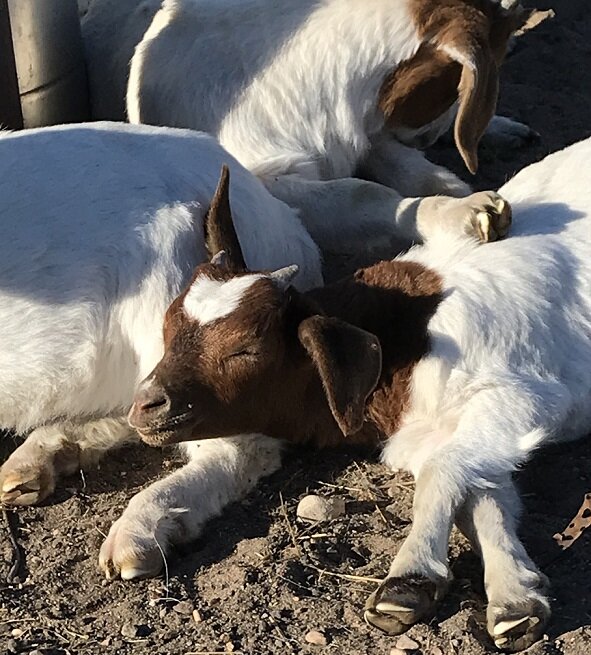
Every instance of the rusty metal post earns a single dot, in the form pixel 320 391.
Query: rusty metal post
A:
pixel 10 106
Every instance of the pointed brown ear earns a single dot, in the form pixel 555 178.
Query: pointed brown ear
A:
pixel 349 362
pixel 220 233
pixel 478 91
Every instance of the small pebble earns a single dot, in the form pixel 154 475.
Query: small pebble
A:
pixel 316 508
pixel 133 630
pixel 230 648
pixel 197 616
pixel 406 643
pixel 436 651
pixel 17 632
pixel 185 607
pixel 397 651
pixel 316 637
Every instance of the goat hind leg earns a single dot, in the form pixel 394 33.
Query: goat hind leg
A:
pixel 517 606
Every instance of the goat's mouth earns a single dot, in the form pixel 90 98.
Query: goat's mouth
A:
pixel 170 429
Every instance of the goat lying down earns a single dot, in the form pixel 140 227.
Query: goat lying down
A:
pixel 459 360
pixel 323 93
pixel 102 226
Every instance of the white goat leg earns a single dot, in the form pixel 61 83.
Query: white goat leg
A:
pixel 407 170
pixel 29 475
pixel 482 450
pixel 503 132
pixel 174 510
pixel 338 213
pixel 517 607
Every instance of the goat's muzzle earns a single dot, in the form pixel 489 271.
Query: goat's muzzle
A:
pixel 150 413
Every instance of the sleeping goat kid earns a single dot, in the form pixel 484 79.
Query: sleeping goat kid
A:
pixel 323 93
pixel 460 362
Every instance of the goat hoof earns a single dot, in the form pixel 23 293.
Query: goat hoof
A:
pixel 26 485
pixel 399 603
pixel 128 556
pixel 491 218
pixel 517 628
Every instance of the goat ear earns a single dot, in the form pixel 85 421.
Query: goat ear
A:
pixel 220 233
pixel 349 362
pixel 478 92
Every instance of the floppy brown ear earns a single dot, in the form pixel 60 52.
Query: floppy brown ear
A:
pixel 220 233
pixel 478 91
pixel 349 362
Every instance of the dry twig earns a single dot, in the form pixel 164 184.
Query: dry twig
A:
pixel 17 553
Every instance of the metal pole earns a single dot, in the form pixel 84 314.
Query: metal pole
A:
pixel 10 106
pixel 50 64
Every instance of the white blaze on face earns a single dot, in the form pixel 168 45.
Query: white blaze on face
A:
pixel 208 300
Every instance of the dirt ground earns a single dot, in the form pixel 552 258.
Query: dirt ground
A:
pixel 256 577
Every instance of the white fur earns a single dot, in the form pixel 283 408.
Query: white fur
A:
pixel 102 228
pixel 176 508
pixel 509 370
pixel 208 300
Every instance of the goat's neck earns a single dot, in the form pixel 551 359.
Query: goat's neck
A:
pixel 395 301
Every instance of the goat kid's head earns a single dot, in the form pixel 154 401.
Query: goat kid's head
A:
pixel 245 352
pixel 464 43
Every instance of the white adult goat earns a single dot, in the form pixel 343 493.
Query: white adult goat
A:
pixel 308 94
pixel 461 360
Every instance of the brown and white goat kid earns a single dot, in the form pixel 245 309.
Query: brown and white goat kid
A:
pixel 311 96
pixel 459 362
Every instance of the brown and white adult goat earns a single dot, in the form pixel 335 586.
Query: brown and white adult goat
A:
pixel 312 96
pixel 460 362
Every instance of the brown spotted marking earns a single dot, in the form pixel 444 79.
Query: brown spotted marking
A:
pixel 577 526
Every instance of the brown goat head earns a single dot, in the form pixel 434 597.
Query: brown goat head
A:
pixel 245 352
pixel 464 43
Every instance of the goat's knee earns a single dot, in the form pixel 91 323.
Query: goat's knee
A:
pixel 30 474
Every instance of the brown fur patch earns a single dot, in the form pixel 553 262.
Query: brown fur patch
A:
pixel 420 89
pixel 395 301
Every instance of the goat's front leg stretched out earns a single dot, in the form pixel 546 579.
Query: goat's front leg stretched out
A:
pixel 175 509
pixel 517 607
pixel 497 428
pixel 340 213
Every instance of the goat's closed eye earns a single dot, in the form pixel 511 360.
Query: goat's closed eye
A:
pixel 243 352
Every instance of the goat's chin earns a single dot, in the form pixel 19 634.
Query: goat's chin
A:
pixel 165 437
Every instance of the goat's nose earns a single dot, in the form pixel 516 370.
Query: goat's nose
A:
pixel 151 401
